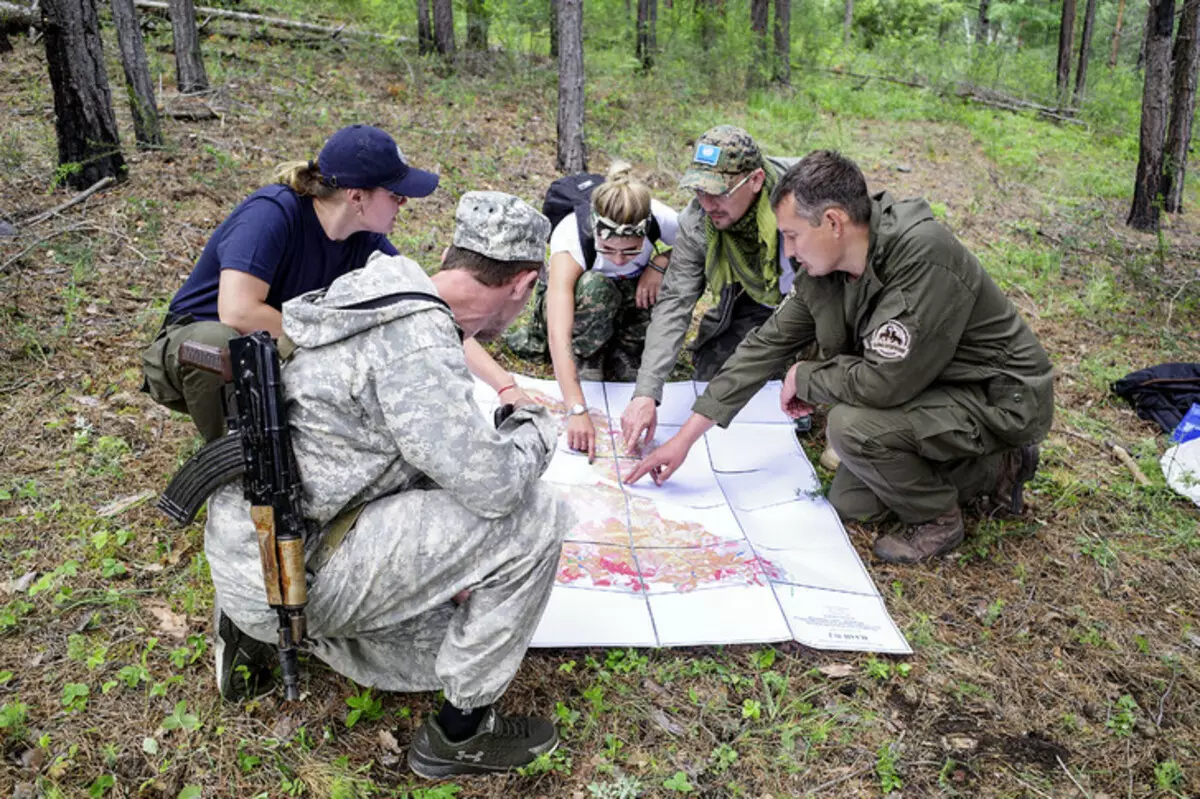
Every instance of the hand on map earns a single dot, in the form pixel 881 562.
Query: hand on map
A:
pixel 789 403
pixel 581 435
pixel 640 418
pixel 517 396
pixel 662 462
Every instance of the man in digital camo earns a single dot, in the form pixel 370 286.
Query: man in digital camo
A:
pixel 442 577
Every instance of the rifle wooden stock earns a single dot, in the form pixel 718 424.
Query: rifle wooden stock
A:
pixel 206 357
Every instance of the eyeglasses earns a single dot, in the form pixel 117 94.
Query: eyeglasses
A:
pixel 725 195
pixel 628 252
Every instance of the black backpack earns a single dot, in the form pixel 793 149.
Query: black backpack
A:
pixel 1163 393
pixel 573 195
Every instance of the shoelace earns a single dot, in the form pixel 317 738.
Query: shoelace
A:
pixel 511 727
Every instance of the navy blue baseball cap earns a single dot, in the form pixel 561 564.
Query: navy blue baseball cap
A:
pixel 363 157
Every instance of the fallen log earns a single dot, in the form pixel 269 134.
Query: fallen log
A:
pixel 14 17
pixel 278 22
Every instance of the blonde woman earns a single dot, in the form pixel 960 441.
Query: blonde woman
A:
pixel 591 313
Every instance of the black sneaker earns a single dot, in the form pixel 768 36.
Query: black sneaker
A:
pixel 235 649
pixel 501 743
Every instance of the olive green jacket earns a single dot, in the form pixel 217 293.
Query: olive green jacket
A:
pixel 681 288
pixel 923 314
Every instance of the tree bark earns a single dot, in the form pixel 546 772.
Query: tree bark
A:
pixel 477 25
pixel 88 146
pixel 443 27
pixel 138 82
pixel 189 65
pixel 1141 59
pixel 1085 50
pixel 1116 37
pixel 782 72
pixel 424 28
pixel 572 151
pixel 1143 214
pixel 647 17
pixel 554 29
pixel 1186 62
pixel 1066 43
pixel 759 14
pixel 981 29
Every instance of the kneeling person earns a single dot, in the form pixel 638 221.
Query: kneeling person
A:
pixel 442 578
pixel 939 390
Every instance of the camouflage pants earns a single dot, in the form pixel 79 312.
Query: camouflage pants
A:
pixel 609 330
pixel 912 462
pixel 380 609
pixel 722 329
pixel 200 394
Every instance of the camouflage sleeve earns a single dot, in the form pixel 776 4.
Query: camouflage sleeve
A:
pixel 761 355
pixel 681 289
pixel 427 401
pixel 911 336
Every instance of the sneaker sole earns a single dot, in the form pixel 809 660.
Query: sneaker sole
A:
pixel 437 769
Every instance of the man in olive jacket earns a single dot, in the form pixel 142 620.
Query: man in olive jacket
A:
pixel 939 390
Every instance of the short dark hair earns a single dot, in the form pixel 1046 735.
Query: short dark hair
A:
pixel 488 271
pixel 821 180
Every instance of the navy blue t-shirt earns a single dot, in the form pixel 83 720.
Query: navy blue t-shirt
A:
pixel 275 236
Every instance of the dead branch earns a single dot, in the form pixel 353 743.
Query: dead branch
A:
pixel 70 229
pixel 279 22
pixel 1124 457
pixel 99 185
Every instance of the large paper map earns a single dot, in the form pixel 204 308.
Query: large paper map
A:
pixel 737 547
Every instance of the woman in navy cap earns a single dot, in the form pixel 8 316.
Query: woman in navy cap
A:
pixel 320 221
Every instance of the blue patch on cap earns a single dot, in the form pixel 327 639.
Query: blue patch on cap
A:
pixel 707 154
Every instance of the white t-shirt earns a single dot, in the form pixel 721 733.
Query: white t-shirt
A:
pixel 565 238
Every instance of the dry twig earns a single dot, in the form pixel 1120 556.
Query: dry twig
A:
pixel 99 185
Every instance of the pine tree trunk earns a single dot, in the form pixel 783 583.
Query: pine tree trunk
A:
pixel 646 15
pixel 782 73
pixel 759 14
pixel 704 9
pixel 424 28
pixel 443 27
pixel 190 76
pixel 572 152
pixel 1186 62
pixel 981 29
pixel 477 25
pixel 1085 50
pixel 88 146
pixel 1066 43
pixel 1116 37
pixel 1143 214
pixel 137 74
pixel 1141 59
pixel 554 29
pixel 847 21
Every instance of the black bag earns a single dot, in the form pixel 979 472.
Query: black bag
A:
pixel 1163 393
pixel 573 195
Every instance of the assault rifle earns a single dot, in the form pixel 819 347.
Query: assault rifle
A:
pixel 260 440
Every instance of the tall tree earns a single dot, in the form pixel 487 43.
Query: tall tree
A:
pixel 572 152
pixel 1143 214
pixel 759 14
pixel 647 40
pixel 981 28
pixel 137 74
pixel 1066 43
pixel 554 29
pixel 477 25
pixel 1116 37
pixel 847 21
pixel 1085 50
pixel 443 27
pixel 424 28
pixel 782 71
pixel 88 146
pixel 189 65
pixel 1186 62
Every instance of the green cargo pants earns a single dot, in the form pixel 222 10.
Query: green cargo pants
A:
pixel 202 395
pixel 915 461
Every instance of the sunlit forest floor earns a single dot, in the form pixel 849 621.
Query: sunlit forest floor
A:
pixel 1054 656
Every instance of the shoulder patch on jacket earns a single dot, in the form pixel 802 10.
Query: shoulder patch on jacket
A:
pixel 891 340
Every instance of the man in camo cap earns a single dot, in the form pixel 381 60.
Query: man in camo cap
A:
pixel 727 242
pixel 434 544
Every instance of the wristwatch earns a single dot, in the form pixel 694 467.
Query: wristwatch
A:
pixel 577 410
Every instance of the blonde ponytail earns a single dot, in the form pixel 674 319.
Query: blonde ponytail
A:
pixel 622 198
pixel 304 178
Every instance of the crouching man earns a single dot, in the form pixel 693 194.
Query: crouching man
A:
pixel 441 575
pixel 940 392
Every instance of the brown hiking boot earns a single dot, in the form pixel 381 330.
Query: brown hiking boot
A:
pixel 924 541
pixel 1018 468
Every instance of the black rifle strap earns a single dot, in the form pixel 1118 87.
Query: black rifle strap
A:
pixel 391 299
